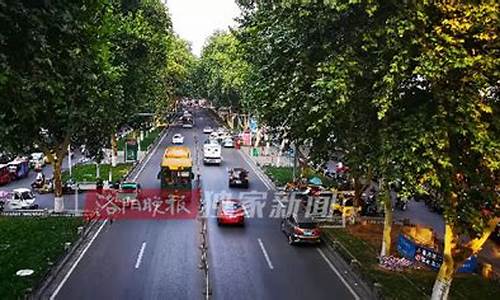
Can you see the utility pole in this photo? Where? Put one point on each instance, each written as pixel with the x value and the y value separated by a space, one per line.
pixel 69 160
pixel 294 162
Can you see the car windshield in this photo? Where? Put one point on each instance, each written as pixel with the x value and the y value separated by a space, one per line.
pixel 230 206
pixel 26 195
pixel 307 225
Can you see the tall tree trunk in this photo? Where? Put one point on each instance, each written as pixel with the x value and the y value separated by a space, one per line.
pixel 442 284
pixel 58 194
pixel 114 150
pixel 357 190
pixel 387 201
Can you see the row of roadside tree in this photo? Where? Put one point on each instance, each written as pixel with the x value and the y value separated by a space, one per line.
pixel 74 72
pixel 408 90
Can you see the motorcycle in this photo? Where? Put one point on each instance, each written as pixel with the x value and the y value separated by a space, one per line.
pixel 370 206
pixel 38 183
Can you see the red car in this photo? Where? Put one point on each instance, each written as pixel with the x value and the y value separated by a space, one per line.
pixel 230 212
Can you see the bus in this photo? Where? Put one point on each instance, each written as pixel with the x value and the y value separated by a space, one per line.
pixel 176 168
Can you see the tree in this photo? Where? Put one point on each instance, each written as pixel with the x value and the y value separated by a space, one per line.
pixel 221 71
pixel 407 90
pixel 72 72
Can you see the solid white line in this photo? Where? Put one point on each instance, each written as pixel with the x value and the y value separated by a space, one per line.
pixel 338 274
pixel 149 157
pixel 257 172
pixel 139 256
pixel 261 176
pixel 77 261
pixel 265 254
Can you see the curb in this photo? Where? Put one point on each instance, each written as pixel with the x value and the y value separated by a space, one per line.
pixel 46 284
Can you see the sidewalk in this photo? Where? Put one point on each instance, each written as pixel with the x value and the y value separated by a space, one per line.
pixel 268 157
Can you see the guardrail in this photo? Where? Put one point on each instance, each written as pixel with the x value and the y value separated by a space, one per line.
pixel 39 213
pixel 207 292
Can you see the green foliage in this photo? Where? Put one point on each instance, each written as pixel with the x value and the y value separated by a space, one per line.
pixel 75 72
pixel 405 90
pixel 220 74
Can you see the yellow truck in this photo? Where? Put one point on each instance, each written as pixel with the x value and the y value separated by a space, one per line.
pixel 176 168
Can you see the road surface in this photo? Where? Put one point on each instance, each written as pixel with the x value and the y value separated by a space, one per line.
pixel 154 259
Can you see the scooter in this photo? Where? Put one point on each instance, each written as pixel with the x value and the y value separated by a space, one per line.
pixel 38 183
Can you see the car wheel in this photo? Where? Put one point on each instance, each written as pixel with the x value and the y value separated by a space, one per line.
pixel 218 222
pixel 290 240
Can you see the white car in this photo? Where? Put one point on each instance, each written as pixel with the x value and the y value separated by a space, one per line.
pixel 178 139
pixel 208 130
pixel 228 143
pixel 21 198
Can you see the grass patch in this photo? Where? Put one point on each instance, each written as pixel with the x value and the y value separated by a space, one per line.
pixel 408 285
pixel 31 243
pixel 282 175
pixel 148 140
pixel 145 143
pixel 87 172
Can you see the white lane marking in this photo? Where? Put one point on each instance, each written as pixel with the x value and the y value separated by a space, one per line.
pixel 139 256
pixel 261 177
pixel 149 157
pixel 77 261
pixel 250 164
pixel 269 263
pixel 61 284
pixel 338 274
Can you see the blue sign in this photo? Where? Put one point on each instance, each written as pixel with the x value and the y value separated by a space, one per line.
pixel 406 247
pixel 469 266
pixel 409 249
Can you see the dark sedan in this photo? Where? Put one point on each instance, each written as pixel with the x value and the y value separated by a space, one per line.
pixel 238 177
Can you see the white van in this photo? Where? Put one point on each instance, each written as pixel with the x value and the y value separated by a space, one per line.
pixel 212 153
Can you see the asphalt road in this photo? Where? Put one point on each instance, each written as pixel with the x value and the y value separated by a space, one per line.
pixel 155 259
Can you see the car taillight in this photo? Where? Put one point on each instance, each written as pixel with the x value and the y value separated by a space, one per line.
pixel 297 230
pixel 316 231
